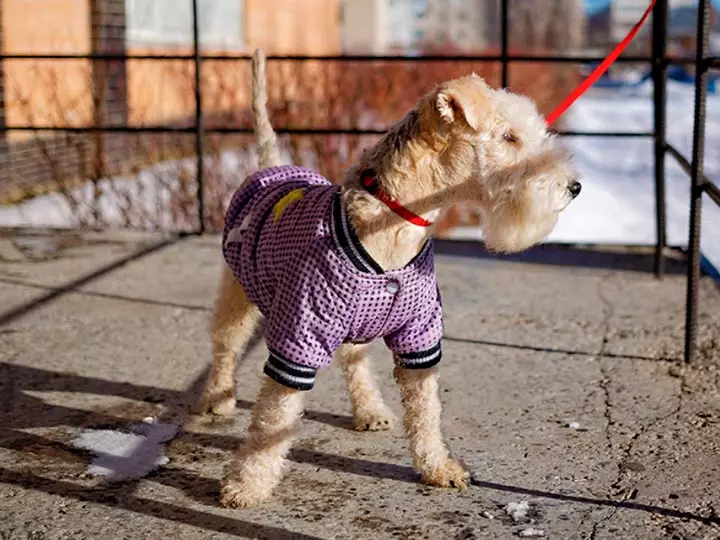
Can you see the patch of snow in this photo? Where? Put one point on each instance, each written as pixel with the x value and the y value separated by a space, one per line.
pixel 38 246
pixel 127 456
pixel 530 533
pixel 517 511
pixel 144 200
pixel 619 202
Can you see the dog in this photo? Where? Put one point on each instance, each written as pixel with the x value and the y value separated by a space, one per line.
pixel 333 267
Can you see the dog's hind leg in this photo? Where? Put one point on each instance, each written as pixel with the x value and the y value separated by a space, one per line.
pixel 259 465
pixel 420 397
pixel 369 410
pixel 233 322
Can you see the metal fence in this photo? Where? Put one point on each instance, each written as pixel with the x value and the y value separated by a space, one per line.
pixel 658 60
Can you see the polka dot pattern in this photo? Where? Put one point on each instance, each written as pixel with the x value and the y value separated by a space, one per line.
pixel 309 275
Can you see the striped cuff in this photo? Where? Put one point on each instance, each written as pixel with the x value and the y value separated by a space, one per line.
pixel 288 373
pixel 420 360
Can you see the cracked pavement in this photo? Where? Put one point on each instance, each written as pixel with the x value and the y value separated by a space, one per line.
pixel 561 382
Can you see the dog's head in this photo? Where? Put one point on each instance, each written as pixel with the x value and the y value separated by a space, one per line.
pixel 500 155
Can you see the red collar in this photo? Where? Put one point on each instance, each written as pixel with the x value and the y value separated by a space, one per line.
pixel 371 185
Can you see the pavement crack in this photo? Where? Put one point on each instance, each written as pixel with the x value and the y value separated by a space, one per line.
pixel 630 446
pixel 596 524
pixel 594 530
pixel 617 494
pixel 604 385
pixel 604 382
pixel 607 405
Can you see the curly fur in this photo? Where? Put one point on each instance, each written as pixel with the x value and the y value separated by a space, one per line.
pixel 463 142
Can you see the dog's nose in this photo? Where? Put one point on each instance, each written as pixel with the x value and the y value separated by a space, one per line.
pixel 575 188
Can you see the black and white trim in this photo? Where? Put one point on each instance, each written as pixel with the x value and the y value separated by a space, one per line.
pixel 288 373
pixel 420 360
pixel 348 242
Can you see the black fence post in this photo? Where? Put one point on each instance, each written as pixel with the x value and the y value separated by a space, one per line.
pixel 505 41
pixel 697 174
pixel 659 69
pixel 199 121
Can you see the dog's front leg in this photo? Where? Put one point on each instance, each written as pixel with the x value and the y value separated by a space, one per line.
pixel 420 397
pixel 369 410
pixel 260 462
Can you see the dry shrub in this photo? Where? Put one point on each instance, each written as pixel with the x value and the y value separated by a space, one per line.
pixel 151 182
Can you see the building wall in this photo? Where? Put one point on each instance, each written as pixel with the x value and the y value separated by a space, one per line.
pixel 310 27
pixel 398 27
pixel 163 91
pixel 389 26
pixel 61 92
pixel 468 21
pixel 365 25
pixel 547 25
pixel 460 22
pixel 150 92
pixel 625 13
pixel 46 91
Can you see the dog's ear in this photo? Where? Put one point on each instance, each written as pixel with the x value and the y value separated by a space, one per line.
pixel 463 98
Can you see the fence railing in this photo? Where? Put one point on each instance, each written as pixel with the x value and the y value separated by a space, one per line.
pixel 700 184
pixel 659 62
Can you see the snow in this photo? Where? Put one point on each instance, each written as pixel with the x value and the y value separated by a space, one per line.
pixel 123 456
pixel 530 533
pixel 142 201
pixel 617 204
pixel 623 170
pixel 517 511
pixel 148 194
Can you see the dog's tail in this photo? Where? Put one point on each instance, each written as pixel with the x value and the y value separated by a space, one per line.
pixel 267 140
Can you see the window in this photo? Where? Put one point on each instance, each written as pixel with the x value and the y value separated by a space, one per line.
pixel 420 7
pixel 169 22
pixel 399 24
pixel 462 37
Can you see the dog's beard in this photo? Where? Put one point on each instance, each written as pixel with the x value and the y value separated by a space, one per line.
pixel 515 223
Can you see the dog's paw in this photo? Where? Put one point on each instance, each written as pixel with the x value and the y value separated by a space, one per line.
pixel 220 407
pixel 236 494
pixel 378 419
pixel 451 475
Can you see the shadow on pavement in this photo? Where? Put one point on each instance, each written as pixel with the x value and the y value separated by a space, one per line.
pixel 22 411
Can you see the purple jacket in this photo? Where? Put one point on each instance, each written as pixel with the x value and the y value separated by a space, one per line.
pixel 293 248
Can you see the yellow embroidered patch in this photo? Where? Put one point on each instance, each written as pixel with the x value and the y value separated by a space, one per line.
pixel 286 201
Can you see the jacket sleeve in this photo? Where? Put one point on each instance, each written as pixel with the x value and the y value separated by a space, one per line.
pixel 308 323
pixel 417 345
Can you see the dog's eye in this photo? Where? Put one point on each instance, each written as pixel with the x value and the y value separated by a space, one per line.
pixel 511 137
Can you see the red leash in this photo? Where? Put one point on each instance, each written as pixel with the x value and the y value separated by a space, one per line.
pixel 370 183
pixel 601 69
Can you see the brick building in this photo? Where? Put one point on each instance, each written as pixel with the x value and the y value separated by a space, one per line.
pixel 116 92
pixel 382 26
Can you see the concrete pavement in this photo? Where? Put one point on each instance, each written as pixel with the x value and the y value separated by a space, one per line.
pixel 561 382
